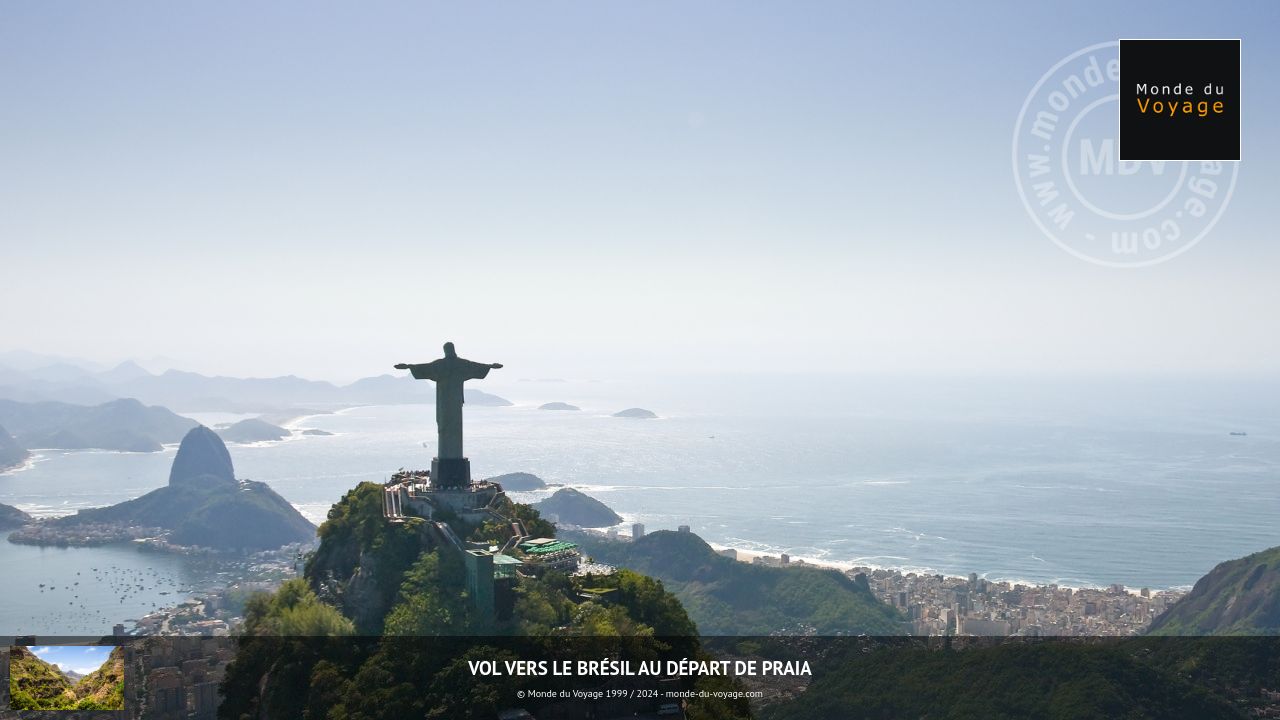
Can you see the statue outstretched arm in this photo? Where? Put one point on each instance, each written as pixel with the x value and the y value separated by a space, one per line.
pixel 424 371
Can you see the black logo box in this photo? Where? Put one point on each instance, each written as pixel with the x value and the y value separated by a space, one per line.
pixel 1210 132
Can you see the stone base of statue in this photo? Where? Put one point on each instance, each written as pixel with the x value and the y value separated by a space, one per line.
pixel 450 473
pixel 413 493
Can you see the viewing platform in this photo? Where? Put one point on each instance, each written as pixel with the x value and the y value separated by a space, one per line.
pixel 410 493
pixel 551 554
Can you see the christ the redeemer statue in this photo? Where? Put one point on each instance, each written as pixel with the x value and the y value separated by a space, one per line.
pixel 450 468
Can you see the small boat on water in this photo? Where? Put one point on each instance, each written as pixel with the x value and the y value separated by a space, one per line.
pixel 1239 434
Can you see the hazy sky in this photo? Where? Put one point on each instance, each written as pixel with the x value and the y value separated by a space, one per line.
pixel 578 188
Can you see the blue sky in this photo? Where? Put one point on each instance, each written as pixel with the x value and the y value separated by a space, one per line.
pixel 83 659
pixel 327 188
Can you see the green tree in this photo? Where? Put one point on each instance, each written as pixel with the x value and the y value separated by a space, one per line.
pixel 456 693
pixel 294 611
pixel 432 599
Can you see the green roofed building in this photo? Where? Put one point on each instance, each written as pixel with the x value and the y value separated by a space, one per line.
pixel 546 546
pixel 550 554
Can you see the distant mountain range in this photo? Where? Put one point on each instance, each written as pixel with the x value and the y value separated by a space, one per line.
pixel 126 425
pixel 73 407
pixel 193 392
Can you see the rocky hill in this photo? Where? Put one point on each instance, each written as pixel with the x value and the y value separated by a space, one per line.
pixel 125 424
pixel 103 689
pixel 576 508
pixel 11 517
pixel 11 453
pixel 35 684
pixel 362 558
pixel 1238 597
pixel 203 505
pixel 408 601
pixel 728 597
pixel 202 460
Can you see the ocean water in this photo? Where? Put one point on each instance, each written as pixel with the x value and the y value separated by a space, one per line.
pixel 1084 482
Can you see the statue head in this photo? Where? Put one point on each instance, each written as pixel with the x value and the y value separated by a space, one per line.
pixel 449 351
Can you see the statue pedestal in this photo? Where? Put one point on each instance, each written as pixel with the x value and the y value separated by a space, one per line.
pixel 450 472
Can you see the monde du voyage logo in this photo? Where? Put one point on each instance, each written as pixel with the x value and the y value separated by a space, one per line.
pixel 1124 152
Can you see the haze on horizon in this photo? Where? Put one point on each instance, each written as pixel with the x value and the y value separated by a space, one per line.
pixel 585 191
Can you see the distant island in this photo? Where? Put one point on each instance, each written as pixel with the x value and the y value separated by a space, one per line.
pixel 317 432
pixel 11 453
pixel 253 430
pixel 519 481
pixel 11 517
pixel 125 425
pixel 577 508
pixel 639 413
pixel 203 506
pixel 558 406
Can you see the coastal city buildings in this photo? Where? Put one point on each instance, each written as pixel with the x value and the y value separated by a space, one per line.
pixel 938 605
pixel 180 677
pixel 945 605
pixel 217 610
pixel 941 605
